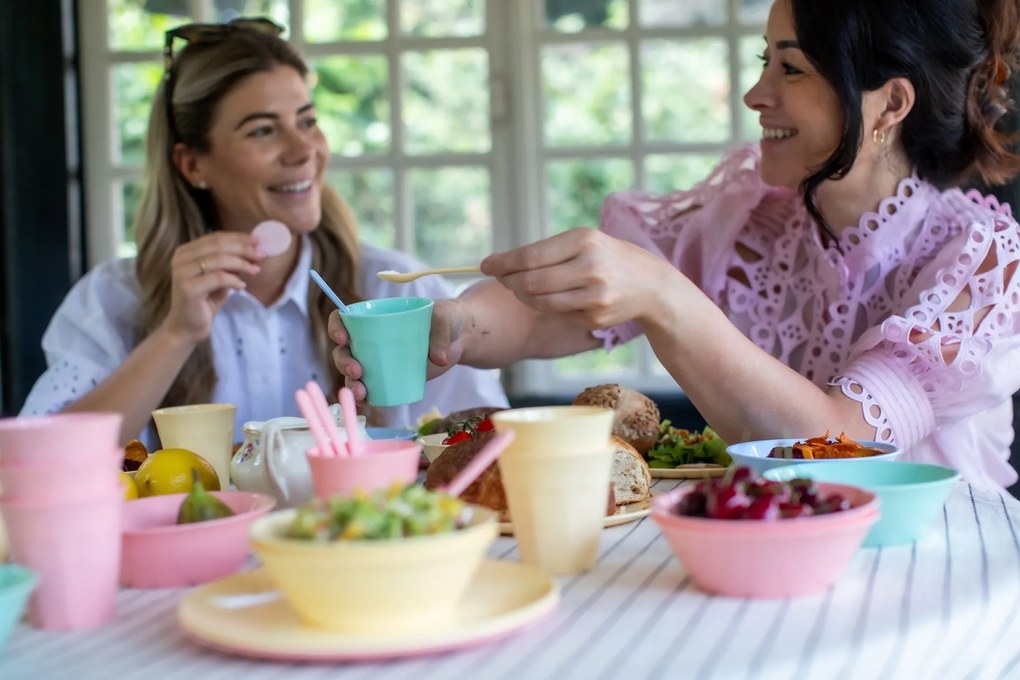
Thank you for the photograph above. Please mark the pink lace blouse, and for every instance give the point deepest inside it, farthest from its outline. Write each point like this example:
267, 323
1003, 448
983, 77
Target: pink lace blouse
871, 315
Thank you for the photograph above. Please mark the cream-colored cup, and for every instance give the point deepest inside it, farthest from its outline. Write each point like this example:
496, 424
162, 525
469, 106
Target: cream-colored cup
4, 548
206, 429
556, 474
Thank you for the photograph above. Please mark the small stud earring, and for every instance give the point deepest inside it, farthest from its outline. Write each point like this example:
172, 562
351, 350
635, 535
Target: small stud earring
878, 136
202, 184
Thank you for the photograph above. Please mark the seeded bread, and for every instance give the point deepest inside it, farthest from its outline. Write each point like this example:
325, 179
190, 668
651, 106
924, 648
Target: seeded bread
636, 418
631, 477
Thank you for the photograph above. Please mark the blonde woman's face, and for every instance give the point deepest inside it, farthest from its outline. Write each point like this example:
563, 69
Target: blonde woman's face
267, 154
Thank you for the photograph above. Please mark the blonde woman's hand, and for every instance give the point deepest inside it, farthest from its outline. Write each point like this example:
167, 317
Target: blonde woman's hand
445, 345
595, 279
203, 272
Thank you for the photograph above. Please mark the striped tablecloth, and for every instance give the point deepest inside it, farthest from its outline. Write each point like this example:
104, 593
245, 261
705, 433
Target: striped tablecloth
945, 607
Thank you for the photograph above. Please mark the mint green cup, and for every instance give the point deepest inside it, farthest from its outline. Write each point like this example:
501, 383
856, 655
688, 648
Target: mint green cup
911, 494
390, 338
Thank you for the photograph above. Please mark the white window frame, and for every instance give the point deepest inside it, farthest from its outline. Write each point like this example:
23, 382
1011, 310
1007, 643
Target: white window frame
515, 37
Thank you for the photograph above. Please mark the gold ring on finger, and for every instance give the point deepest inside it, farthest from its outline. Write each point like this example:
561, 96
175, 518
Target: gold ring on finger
201, 266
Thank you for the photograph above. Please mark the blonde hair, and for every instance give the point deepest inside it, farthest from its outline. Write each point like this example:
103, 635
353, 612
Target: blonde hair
171, 212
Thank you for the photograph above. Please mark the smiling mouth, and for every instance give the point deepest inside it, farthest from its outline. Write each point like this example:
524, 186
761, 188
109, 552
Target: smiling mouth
292, 188
777, 133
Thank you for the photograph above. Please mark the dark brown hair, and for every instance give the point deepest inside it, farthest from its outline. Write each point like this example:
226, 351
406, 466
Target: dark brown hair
961, 57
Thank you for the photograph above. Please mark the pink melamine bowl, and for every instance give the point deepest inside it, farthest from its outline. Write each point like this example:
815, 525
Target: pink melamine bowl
156, 552
383, 463
767, 558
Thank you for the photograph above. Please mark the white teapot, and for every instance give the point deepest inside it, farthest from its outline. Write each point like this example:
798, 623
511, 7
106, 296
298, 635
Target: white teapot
272, 458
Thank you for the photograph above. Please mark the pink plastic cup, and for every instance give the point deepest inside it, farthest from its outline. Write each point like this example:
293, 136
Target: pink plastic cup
75, 549
61, 482
58, 438
383, 462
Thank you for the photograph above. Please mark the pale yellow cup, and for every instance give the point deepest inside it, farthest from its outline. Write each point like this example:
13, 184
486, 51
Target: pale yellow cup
556, 474
206, 429
4, 548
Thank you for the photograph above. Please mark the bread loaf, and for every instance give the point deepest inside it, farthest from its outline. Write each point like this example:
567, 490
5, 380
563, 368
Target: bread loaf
486, 491
636, 418
631, 478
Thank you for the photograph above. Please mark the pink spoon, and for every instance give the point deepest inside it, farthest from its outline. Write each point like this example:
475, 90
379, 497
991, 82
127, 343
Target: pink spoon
482, 460
354, 444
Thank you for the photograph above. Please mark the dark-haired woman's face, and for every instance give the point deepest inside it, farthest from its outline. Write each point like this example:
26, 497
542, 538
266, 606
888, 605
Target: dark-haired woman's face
799, 113
267, 154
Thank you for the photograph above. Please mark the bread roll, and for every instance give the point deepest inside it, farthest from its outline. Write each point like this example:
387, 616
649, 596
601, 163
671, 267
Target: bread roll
486, 491
631, 478
636, 418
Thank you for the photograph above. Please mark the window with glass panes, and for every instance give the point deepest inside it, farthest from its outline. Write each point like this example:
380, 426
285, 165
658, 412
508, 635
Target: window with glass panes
458, 127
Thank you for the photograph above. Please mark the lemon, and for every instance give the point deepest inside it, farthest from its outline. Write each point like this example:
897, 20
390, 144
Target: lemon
169, 471
128, 482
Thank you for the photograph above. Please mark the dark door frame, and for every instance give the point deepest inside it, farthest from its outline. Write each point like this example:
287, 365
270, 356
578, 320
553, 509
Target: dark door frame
41, 235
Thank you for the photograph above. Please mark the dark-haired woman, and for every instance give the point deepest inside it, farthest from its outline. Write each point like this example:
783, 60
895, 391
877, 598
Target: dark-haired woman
826, 279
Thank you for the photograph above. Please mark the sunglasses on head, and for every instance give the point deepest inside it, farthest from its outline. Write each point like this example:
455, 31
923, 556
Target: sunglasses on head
205, 33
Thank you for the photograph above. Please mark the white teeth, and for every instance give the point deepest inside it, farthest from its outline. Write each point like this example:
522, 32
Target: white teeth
295, 187
777, 133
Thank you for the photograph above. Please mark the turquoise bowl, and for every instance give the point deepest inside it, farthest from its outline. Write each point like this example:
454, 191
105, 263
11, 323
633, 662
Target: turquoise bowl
911, 493
16, 584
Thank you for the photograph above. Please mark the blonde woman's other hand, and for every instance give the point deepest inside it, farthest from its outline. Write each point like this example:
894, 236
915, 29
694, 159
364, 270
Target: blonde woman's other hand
445, 345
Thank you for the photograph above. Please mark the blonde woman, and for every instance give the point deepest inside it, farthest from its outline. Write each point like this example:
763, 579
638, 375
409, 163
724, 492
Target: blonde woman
203, 314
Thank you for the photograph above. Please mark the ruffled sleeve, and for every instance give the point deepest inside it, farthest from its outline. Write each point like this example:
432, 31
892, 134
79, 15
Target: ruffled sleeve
88, 337
899, 370
693, 229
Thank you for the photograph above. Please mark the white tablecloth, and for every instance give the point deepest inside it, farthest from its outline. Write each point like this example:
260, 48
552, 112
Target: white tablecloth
945, 607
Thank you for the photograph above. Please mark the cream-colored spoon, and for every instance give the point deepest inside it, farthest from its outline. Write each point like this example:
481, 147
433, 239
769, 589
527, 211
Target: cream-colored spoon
405, 277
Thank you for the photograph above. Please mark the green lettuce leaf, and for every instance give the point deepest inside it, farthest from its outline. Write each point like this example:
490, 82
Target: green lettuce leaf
682, 447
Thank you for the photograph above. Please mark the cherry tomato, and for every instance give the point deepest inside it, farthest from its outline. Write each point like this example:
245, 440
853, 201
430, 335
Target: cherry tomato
457, 437
484, 426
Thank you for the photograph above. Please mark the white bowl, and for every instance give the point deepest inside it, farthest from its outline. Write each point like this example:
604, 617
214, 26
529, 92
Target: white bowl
754, 454
432, 444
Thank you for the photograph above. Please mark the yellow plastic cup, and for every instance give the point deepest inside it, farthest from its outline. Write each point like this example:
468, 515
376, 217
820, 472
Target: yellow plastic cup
556, 474
206, 429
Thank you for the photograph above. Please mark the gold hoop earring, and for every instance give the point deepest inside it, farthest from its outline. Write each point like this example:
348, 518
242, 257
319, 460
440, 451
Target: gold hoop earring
878, 136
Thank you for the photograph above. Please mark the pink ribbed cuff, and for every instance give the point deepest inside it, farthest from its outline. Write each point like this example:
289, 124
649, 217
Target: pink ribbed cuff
889, 386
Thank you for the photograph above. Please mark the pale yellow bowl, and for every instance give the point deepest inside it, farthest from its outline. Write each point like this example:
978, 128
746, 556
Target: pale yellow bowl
432, 444
362, 586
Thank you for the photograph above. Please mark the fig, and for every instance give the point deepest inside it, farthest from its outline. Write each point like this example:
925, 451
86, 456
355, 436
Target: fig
200, 505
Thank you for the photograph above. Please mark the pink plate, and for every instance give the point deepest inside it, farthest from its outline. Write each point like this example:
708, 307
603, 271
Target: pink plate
246, 615
156, 552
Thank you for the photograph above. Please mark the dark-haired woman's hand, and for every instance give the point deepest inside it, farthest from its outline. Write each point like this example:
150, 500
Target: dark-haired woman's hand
585, 275
203, 272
